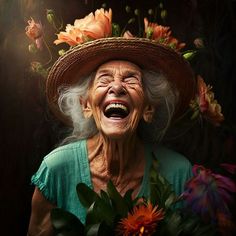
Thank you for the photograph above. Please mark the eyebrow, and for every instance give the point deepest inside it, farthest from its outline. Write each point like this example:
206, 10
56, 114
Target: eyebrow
126, 73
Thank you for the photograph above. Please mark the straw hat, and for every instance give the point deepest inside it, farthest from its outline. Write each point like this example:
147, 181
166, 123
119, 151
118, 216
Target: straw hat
85, 58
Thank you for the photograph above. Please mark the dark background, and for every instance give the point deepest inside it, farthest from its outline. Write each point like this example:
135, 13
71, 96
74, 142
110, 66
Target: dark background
28, 130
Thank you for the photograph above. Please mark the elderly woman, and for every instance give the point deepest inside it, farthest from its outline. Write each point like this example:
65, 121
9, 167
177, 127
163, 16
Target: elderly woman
119, 95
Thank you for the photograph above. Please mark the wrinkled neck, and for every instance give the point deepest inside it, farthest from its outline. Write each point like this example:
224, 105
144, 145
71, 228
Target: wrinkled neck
116, 159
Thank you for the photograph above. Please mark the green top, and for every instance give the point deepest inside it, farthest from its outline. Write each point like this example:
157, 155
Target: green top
66, 166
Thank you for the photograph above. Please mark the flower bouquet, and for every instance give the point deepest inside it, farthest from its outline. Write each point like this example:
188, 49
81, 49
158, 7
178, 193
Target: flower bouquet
205, 210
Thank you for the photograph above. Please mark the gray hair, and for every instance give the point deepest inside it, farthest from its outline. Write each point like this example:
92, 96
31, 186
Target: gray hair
158, 91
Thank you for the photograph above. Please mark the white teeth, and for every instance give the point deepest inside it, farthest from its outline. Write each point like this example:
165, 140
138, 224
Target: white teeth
117, 105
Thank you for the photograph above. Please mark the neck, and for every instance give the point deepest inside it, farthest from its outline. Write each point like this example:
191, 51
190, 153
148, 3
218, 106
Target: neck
115, 159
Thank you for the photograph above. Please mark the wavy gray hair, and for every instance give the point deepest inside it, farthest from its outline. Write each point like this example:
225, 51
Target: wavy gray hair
159, 93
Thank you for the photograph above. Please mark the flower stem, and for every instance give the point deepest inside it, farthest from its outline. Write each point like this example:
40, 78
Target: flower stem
49, 52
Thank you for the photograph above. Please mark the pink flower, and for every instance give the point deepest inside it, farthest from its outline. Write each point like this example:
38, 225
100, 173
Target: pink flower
93, 26
128, 35
35, 32
161, 34
229, 167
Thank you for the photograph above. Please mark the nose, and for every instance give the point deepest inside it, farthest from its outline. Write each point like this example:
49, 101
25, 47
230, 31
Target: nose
117, 88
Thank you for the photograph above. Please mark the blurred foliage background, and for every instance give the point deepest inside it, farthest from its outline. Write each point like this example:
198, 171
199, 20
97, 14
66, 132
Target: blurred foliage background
28, 131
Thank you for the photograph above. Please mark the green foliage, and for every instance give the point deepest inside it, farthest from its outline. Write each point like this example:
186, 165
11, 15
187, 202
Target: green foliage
65, 223
105, 210
161, 192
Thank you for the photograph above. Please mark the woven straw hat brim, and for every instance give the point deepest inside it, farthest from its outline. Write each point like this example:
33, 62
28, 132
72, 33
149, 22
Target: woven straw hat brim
85, 58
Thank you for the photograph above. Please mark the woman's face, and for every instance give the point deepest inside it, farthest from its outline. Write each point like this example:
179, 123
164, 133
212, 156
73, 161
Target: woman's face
116, 98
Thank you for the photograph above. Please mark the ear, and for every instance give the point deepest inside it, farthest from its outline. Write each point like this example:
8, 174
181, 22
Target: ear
86, 107
148, 113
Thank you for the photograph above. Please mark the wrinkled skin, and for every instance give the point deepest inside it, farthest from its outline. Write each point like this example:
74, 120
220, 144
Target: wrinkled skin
116, 152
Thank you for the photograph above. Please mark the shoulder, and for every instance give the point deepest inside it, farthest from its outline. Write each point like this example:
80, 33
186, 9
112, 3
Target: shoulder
66, 154
170, 158
175, 167
172, 164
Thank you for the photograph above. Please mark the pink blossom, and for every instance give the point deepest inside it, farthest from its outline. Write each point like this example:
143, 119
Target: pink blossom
35, 32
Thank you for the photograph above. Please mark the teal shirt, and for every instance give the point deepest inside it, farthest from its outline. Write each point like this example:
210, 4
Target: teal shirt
65, 167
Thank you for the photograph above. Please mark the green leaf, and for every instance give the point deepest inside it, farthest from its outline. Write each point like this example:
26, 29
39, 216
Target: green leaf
100, 229
99, 211
170, 200
86, 195
189, 55
65, 223
104, 211
105, 196
128, 199
173, 222
118, 201
93, 230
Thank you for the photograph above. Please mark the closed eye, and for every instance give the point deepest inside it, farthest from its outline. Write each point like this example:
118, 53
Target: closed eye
131, 80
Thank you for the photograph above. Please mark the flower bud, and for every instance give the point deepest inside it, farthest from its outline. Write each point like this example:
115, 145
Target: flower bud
32, 48
163, 14
127, 9
50, 16
115, 30
38, 68
104, 5
150, 12
61, 52
131, 20
137, 12
149, 32
189, 55
35, 66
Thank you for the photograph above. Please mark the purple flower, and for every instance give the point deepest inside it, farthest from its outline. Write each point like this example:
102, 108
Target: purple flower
209, 195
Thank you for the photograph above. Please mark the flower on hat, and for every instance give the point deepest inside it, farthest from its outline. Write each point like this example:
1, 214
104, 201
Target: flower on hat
34, 31
161, 34
93, 26
142, 221
206, 104
99, 25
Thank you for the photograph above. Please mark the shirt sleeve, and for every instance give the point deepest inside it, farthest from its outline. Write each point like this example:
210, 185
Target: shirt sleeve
44, 181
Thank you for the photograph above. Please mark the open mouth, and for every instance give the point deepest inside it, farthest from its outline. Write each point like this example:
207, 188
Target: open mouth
116, 110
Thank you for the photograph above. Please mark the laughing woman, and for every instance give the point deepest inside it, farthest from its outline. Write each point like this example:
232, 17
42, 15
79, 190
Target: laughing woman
119, 96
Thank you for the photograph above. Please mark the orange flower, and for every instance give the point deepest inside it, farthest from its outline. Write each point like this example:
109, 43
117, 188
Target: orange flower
93, 26
208, 106
142, 221
161, 34
35, 32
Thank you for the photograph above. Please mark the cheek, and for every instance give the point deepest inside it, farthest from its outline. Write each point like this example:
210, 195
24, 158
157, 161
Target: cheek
137, 95
97, 96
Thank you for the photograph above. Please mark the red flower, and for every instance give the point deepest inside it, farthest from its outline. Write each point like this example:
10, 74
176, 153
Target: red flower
142, 221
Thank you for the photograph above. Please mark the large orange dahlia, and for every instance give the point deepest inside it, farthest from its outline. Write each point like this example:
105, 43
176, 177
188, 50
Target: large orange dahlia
142, 220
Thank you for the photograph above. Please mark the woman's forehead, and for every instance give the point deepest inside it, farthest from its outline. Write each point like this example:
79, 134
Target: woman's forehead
118, 64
